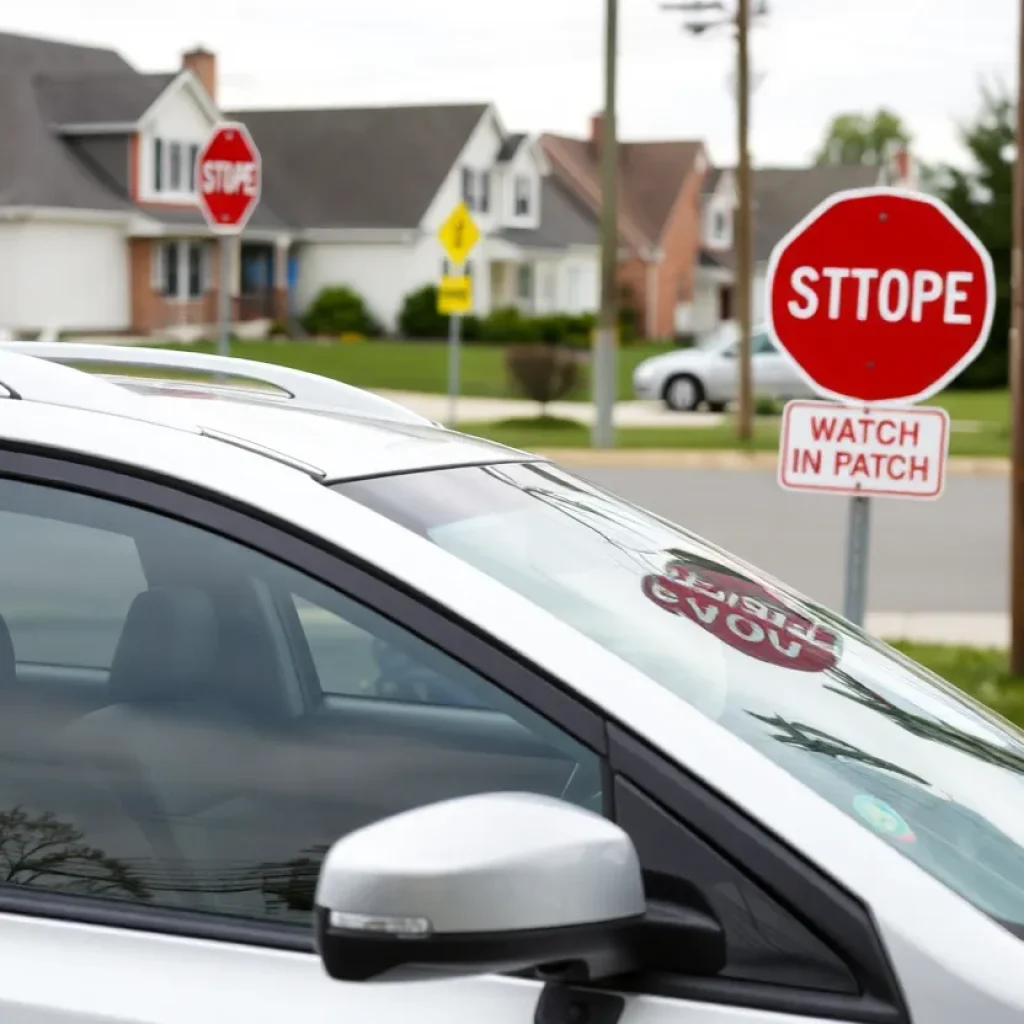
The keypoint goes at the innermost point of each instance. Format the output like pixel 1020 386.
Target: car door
pixel 772 372
pixel 263 697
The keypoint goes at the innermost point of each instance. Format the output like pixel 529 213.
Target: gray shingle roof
pixel 27 55
pixel 376 167
pixel 564 220
pixel 120 98
pixel 783 196
pixel 36 167
pixel 510 146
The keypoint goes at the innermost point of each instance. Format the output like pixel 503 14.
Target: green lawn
pixel 423 366
pixel 412 365
pixel 534 434
pixel 981 672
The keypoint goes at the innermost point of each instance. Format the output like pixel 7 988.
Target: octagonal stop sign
pixel 880 296
pixel 229 177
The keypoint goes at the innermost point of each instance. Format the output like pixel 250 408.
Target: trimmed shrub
pixel 543 373
pixel 419 317
pixel 339 310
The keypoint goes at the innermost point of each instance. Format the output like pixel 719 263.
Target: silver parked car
pixel 684 378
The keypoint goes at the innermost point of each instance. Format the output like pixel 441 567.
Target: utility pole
pixel 1017 378
pixel 744 213
pixel 606 341
pixel 744 248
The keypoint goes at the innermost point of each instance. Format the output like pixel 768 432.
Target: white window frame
pixel 162 178
pixel 522 195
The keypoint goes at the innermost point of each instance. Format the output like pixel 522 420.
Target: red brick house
pixel 660 217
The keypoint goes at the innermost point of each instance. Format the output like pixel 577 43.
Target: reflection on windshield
pixel 903 753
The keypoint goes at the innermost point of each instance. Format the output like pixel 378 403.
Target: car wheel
pixel 683 393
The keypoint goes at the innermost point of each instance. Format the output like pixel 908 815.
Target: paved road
pixel 943 556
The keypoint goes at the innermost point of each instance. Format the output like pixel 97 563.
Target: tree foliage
pixel 983 198
pixel 858 138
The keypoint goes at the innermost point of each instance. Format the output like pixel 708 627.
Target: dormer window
pixel 522 195
pixel 485 191
pixel 158 165
pixel 174 167
pixel 469 187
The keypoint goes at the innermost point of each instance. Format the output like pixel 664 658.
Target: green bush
pixel 339 310
pixel 419 317
pixel 509 325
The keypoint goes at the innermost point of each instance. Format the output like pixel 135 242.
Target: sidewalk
pixel 493 410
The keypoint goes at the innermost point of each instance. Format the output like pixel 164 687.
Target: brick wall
pixel 680 245
pixel 657 290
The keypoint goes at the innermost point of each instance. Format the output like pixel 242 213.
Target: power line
pixel 703 16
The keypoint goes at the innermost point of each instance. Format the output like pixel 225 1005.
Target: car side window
pixel 761 345
pixel 73 622
pixel 246 718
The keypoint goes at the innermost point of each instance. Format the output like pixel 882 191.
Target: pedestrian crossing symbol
pixel 458 234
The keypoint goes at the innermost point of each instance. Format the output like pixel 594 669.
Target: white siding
pixel 65 276
pixel 579 284
pixel 523 166
pixel 179 117
pixel 478 154
pixel 758 295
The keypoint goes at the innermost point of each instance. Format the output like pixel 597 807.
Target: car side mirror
pixel 498 882
pixel 729 353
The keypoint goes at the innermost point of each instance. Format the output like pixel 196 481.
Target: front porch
pixel 713 302
pixel 175 285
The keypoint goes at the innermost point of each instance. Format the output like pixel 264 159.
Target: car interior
pixel 248 718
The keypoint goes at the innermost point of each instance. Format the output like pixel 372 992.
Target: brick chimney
pixel 203 64
pixel 596 130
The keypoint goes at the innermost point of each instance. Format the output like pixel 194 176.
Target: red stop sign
pixel 880 295
pixel 229 177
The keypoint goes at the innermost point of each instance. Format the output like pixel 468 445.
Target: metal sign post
pixel 458 234
pixel 224 298
pixel 858 542
pixel 454 368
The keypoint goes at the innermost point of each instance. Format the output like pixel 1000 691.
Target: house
pixel 100 231
pixel 366 191
pixel 659 217
pixel 782 196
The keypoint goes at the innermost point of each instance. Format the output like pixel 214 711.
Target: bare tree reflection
pixel 925 727
pixel 42 850
pixel 816 741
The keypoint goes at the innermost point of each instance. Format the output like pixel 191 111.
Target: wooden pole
pixel 1017 379
pixel 744 240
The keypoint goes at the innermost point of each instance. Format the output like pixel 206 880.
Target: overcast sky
pixel 540 61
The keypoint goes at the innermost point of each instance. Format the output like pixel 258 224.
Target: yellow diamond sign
pixel 458 234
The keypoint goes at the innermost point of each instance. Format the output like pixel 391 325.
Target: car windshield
pixel 905 754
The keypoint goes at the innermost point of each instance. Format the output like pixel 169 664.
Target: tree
pixel 983 197
pixel 862 138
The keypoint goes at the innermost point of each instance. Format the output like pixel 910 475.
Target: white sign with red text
pixel 881 452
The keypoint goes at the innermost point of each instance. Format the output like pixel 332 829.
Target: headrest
pixel 8 666
pixel 167 647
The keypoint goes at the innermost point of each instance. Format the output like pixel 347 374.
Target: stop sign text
pixel 229 173
pixel 880 296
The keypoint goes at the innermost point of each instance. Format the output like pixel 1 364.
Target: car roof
pixel 325 428
pixel 342 446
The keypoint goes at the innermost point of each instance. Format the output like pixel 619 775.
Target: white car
pixel 315 712
pixel 685 378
